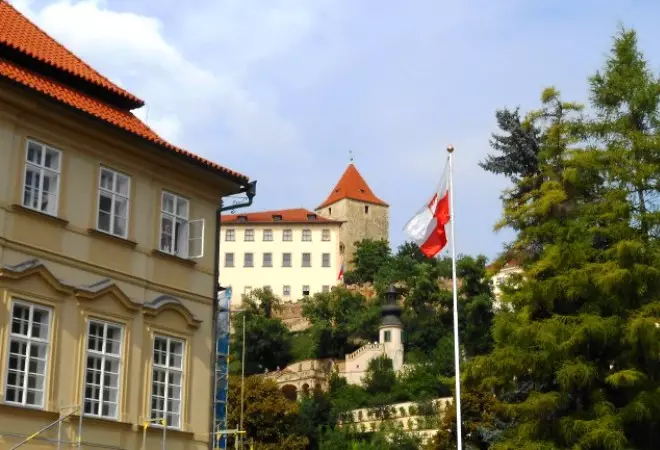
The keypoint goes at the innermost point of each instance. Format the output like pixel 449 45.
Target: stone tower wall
pixel 359 223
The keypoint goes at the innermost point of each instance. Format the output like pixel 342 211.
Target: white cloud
pixel 179 92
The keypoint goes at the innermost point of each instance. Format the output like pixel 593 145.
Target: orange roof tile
pixel 122 119
pixel 298 215
pixel 351 185
pixel 18 33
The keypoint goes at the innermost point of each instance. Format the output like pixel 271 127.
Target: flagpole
pixel 457 353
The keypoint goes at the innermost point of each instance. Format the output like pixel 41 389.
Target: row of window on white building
pixel 267 235
pixel 286 290
pixel 267 259
pixel 27 366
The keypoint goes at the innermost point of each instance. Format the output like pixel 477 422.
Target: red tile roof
pixel 14 29
pixel 17 32
pixel 351 185
pixel 298 215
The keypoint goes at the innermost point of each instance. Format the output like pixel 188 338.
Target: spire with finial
pixel 390 310
pixel 350 156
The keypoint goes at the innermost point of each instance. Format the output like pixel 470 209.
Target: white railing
pixel 365 348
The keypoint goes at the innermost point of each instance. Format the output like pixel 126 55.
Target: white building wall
pixel 242 279
pixel 393 348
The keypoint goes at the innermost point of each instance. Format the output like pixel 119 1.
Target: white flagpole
pixel 457 354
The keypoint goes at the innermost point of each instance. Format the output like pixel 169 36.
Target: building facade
pixel 365 216
pixel 106 259
pixel 295 252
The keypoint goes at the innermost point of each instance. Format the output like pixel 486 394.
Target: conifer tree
pixel 576 362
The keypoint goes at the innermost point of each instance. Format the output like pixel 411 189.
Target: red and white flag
pixel 427 227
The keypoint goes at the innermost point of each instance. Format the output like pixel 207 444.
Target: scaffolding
pixel 221 369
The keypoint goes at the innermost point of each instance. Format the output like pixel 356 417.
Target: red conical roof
pixel 351 185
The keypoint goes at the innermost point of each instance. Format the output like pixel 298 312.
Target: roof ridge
pixel 23 48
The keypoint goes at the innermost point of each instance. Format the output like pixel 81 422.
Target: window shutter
pixel 196 238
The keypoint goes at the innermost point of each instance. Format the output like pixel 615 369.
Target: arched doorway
pixel 290 392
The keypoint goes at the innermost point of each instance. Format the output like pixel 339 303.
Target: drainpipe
pixel 250 190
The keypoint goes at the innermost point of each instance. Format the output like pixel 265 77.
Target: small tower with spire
pixel 365 216
pixel 391 328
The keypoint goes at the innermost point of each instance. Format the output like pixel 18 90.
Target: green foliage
pixel 370 256
pixel 267 340
pixel 341 320
pixel 575 363
pixel 302 346
pixel 270 418
pixel 379 377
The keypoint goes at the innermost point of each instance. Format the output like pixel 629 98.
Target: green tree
pixel 342 320
pixel 370 256
pixel 379 377
pixel 267 340
pixel 576 364
pixel 475 306
pixel 314 416
pixel 269 419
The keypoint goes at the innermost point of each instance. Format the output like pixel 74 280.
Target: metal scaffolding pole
pixel 145 425
pixel 46 428
pixel 74 408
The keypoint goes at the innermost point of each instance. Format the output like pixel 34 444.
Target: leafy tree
pixel 475 306
pixel 267 339
pixel 270 418
pixel 379 377
pixel 342 320
pixel 314 416
pixel 370 256
pixel 576 363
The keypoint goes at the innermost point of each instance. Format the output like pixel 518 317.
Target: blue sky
pixel 281 90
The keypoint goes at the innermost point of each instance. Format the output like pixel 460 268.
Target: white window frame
pixel 168 370
pixel 287 235
pixel 306 288
pixel 325 288
pixel 230 235
pixel 290 259
pixel 325 235
pixel 323 260
pixel 302 259
pixel 286 290
pixel 268 235
pixel 248 235
pixel 42 169
pixel 104 357
pixel 29 341
pixel 113 194
pixel 306 235
pixel 233 259
pixel 245 259
pixel 191 232
pixel 263 259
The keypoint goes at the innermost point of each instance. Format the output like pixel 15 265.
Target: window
pixel 247 290
pixel 229 260
pixel 42 178
pixel 307 260
pixel 325 260
pixel 248 235
pixel 287 235
pixel 178 235
pixel 329 211
pixel 286 259
pixel 230 235
pixel 307 235
pixel 277 218
pixel 268 235
pixel 248 260
pixel 387 336
pixel 27 364
pixel 114 201
pixel 325 235
pixel 305 290
pixel 286 290
pixel 325 289
pixel 268 260
pixel 166 380
pixel 366 209
pixel 104 342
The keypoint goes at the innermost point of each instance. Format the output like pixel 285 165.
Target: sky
pixel 282 90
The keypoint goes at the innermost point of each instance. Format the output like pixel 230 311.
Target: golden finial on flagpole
pixel 450 148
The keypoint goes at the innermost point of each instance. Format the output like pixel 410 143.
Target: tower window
pixel 387 336
pixel 366 209
pixel 329 211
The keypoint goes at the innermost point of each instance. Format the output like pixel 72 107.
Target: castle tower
pixel 364 215
pixel 391 329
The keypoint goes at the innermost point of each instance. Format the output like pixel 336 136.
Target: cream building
pixel 295 252
pixel 501 278
pixel 106 260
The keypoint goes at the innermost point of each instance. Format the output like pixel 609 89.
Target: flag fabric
pixel 341 272
pixel 427 227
